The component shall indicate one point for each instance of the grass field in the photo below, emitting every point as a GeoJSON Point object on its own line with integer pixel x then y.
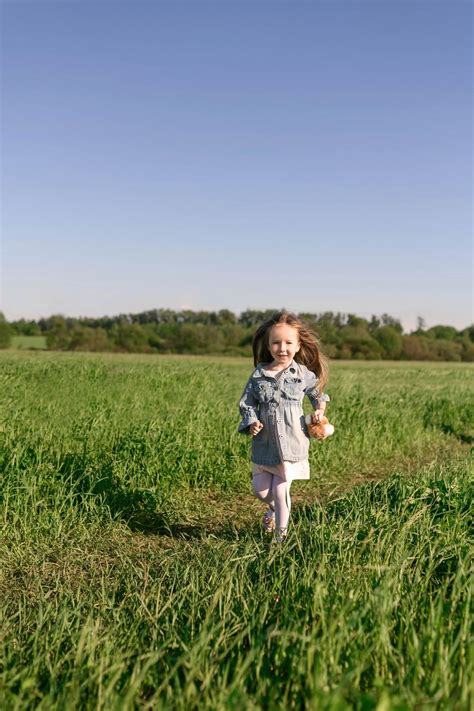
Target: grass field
{"type": "Point", "coordinates": [134, 574]}
{"type": "Point", "coordinates": [32, 343]}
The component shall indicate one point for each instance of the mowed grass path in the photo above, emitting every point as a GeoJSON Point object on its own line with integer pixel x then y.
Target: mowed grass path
{"type": "Point", "coordinates": [134, 574]}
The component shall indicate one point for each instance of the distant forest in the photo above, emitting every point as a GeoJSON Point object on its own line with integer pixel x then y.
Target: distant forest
{"type": "Point", "coordinates": [344, 336]}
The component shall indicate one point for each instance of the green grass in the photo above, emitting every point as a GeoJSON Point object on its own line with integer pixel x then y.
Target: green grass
{"type": "Point", "coordinates": [134, 574]}
{"type": "Point", "coordinates": [29, 343]}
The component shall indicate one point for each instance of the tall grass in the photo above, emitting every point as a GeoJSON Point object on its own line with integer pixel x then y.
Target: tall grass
{"type": "Point", "coordinates": [134, 572]}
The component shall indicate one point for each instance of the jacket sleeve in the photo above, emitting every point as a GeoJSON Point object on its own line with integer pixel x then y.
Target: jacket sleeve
{"type": "Point", "coordinates": [316, 397]}
{"type": "Point", "coordinates": [248, 407]}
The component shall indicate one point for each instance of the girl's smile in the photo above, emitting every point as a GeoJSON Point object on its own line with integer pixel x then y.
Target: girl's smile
{"type": "Point", "coordinates": [283, 343]}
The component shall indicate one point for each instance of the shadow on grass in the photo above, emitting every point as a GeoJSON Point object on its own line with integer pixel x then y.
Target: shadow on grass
{"type": "Point", "coordinates": [452, 419]}
{"type": "Point", "coordinates": [139, 509]}
{"type": "Point", "coordinates": [161, 525]}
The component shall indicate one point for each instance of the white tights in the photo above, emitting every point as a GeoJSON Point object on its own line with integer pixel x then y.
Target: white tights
{"type": "Point", "coordinates": [275, 491]}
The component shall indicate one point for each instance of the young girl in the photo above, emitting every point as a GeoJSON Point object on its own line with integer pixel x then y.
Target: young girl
{"type": "Point", "coordinates": [289, 364]}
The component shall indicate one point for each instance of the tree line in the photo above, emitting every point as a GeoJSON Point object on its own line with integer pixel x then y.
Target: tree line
{"type": "Point", "coordinates": [344, 336]}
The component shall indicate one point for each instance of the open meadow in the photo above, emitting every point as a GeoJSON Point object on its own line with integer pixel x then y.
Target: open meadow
{"type": "Point", "coordinates": [134, 574]}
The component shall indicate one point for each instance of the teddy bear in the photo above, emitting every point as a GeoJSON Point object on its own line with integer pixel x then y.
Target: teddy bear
{"type": "Point", "coordinates": [319, 430]}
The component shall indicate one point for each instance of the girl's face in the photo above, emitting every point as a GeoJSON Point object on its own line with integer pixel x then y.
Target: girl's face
{"type": "Point", "coordinates": [284, 343]}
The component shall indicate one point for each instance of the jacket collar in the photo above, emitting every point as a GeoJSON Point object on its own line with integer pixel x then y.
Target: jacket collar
{"type": "Point", "coordinates": [292, 368]}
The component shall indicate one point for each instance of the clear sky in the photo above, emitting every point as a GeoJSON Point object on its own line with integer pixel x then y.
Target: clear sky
{"type": "Point", "coordinates": [207, 155]}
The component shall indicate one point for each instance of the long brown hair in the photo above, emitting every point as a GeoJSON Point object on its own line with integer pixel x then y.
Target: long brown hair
{"type": "Point", "coordinates": [309, 354]}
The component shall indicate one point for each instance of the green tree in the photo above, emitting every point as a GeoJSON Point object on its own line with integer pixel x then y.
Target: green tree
{"type": "Point", "coordinates": [130, 337]}
{"type": "Point", "coordinates": [441, 349]}
{"type": "Point", "coordinates": [468, 352]}
{"type": "Point", "coordinates": [357, 322]}
{"type": "Point", "coordinates": [390, 340]}
{"type": "Point", "coordinates": [447, 333]}
{"type": "Point", "coordinates": [83, 338]}
{"type": "Point", "coordinates": [26, 328]}
{"type": "Point", "coordinates": [357, 342]}
{"type": "Point", "coordinates": [5, 332]}
{"type": "Point", "coordinates": [374, 324]}
{"type": "Point", "coordinates": [225, 317]}
{"type": "Point", "coordinates": [58, 336]}
{"type": "Point", "coordinates": [415, 347]}
{"type": "Point", "coordinates": [388, 320]}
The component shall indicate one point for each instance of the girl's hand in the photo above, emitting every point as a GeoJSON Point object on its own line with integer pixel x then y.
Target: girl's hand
{"type": "Point", "coordinates": [255, 428]}
{"type": "Point", "coordinates": [317, 415]}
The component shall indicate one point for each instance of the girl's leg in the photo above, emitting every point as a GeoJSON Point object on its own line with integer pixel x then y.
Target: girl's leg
{"type": "Point", "coordinates": [281, 497]}
{"type": "Point", "coordinates": [262, 486]}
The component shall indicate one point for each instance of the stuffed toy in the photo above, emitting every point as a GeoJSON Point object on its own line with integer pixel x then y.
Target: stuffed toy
{"type": "Point", "coordinates": [319, 430]}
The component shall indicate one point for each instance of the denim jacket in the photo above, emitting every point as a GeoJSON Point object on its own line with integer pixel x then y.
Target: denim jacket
{"type": "Point", "coordinates": [278, 406]}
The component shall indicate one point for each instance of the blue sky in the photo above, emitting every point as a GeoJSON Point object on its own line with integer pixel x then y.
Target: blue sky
{"type": "Point", "coordinates": [207, 155]}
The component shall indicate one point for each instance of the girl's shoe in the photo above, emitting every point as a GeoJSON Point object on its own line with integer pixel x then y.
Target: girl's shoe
{"type": "Point", "coordinates": [280, 536]}
{"type": "Point", "coordinates": [268, 520]}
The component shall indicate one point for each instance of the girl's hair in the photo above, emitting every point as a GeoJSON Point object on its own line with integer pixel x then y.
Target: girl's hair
{"type": "Point", "coordinates": [310, 353]}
